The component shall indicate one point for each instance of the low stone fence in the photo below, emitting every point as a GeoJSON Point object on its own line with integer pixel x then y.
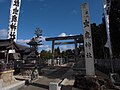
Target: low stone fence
{"type": "Point", "coordinates": [105, 66]}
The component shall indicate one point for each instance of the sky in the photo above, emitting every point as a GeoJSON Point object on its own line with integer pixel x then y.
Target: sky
{"type": "Point", "coordinates": [54, 17]}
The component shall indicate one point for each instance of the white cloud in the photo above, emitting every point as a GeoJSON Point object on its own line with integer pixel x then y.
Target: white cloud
{"type": "Point", "coordinates": [3, 33]}
{"type": "Point", "coordinates": [44, 47]}
{"type": "Point", "coordinates": [43, 38]}
{"type": "Point", "coordinates": [63, 47]}
{"type": "Point", "coordinates": [66, 47]}
{"type": "Point", "coordinates": [23, 42]}
{"type": "Point", "coordinates": [48, 47]}
{"type": "Point", "coordinates": [64, 34]}
{"type": "Point", "coordinates": [40, 38]}
{"type": "Point", "coordinates": [70, 35]}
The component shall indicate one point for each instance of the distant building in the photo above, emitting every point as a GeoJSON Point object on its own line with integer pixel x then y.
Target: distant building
{"type": "Point", "coordinates": [6, 45]}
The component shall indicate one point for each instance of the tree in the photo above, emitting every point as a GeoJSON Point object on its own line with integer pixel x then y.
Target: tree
{"type": "Point", "coordinates": [99, 38]}
{"type": "Point", "coordinates": [57, 52]}
{"type": "Point", "coordinates": [114, 18]}
{"type": "Point", "coordinates": [34, 42]}
{"type": "Point", "coordinates": [45, 54]}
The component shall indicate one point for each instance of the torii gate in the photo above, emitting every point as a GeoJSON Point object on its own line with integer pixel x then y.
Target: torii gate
{"type": "Point", "coordinates": [76, 38]}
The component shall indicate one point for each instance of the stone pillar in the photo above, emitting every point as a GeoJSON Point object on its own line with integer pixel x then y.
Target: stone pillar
{"type": "Point", "coordinates": [89, 57]}
{"type": "Point", "coordinates": [53, 52]}
{"type": "Point", "coordinates": [76, 51]}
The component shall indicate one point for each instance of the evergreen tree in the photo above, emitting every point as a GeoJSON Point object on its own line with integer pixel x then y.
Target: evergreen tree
{"type": "Point", "coordinates": [99, 38]}
{"type": "Point", "coordinates": [115, 27]}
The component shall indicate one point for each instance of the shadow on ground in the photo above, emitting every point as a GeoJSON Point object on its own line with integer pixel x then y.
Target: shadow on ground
{"type": "Point", "coordinates": [40, 85]}
{"type": "Point", "coordinates": [66, 87]}
{"type": "Point", "coordinates": [58, 73]}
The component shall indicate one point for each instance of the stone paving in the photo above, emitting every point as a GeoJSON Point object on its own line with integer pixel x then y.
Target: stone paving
{"type": "Point", "coordinates": [43, 82]}
{"type": "Point", "coordinates": [55, 75]}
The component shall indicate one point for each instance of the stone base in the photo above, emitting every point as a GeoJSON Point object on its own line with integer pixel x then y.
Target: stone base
{"type": "Point", "coordinates": [94, 83]}
{"type": "Point", "coordinates": [7, 77]}
{"type": "Point", "coordinates": [14, 86]}
{"type": "Point", "coordinates": [54, 86]}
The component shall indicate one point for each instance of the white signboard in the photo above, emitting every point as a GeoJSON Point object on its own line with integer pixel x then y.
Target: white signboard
{"type": "Point", "coordinates": [89, 58]}
{"type": "Point", "coordinates": [14, 14]}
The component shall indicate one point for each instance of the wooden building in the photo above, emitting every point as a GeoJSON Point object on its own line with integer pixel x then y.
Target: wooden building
{"type": "Point", "coordinates": [9, 50]}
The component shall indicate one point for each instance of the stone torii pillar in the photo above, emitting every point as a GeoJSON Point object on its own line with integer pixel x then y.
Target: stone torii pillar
{"type": "Point", "coordinates": [76, 51]}
{"type": "Point", "coordinates": [53, 41]}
